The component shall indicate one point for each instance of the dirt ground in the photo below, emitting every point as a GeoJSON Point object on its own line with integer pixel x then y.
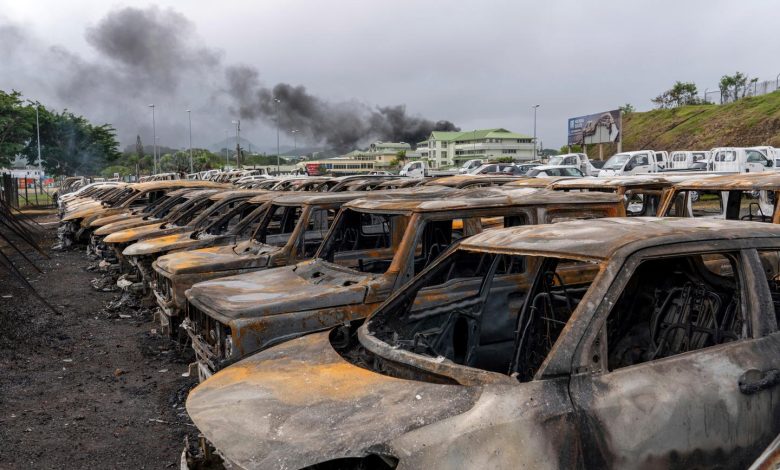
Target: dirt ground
{"type": "Point", "coordinates": [88, 387]}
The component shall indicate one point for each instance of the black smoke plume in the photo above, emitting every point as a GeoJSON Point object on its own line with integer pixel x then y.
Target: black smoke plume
{"type": "Point", "coordinates": [154, 55]}
{"type": "Point", "coordinates": [342, 125]}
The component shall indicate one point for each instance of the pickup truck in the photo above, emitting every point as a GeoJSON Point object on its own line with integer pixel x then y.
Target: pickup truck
{"type": "Point", "coordinates": [689, 159]}
{"type": "Point", "coordinates": [579, 161]}
{"type": "Point", "coordinates": [634, 163]}
{"type": "Point", "coordinates": [419, 169]}
{"type": "Point", "coordinates": [610, 343]}
{"type": "Point", "coordinates": [374, 247]}
{"type": "Point", "coordinates": [739, 160]}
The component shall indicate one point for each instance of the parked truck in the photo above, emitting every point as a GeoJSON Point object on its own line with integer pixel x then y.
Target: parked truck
{"type": "Point", "coordinates": [420, 169]}
{"type": "Point", "coordinates": [574, 160]}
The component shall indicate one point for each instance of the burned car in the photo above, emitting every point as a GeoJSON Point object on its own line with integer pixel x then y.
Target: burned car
{"type": "Point", "coordinates": [623, 342]}
{"type": "Point", "coordinates": [228, 216]}
{"type": "Point", "coordinates": [75, 224]}
{"type": "Point", "coordinates": [180, 208]}
{"type": "Point", "coordinates": [642, 195]}
{"type": "Point", "coordinates": [374, 246]}
{"type": "Point", "coordinates": [291, 230]}
{"type": "Point", "coordinates": [749, 196]}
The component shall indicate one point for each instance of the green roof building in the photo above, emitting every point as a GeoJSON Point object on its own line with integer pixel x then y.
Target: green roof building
{"type": "Point", "coordinates": [447, 149]}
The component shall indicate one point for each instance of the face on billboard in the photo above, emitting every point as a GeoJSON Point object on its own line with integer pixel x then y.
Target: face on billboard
{"type": "Point", "coordinates": [595, 128]}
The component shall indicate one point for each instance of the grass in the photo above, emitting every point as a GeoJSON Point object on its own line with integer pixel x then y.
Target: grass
{"type": "Point", "coordinates": [744, 123]}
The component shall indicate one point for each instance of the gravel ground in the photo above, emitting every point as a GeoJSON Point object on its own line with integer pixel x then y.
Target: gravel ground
{"type": "Point", "coordinates": [88, 387]}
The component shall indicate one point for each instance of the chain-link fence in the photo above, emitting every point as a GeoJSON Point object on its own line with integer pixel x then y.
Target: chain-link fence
{"type": "Point", "coordinates": [751, 89]}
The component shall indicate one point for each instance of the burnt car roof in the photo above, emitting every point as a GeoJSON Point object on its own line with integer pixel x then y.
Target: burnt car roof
{"type": "Point", "coordinates": [457, 180]}
{"type": "Point", "coordinates": [601, 238]}
{"type": "Point", "coordinates": [292, 199]}
{"type": "Point", "coordinates": [151, 185]}
{"type": "Point", "coordinates": [767, 180]}
{"type": "Point", "coordinates": [531, 182]}
{"type": "Point", "coordinates": [604, 183]}
{"type": "Point", "coordinates": [235, 193]}
{"type": "Point", "coordinates": [480, 197]}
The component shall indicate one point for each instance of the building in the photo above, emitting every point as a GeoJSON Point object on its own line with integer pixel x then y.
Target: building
{"type": "Point", "coordinates": [448, 149]}
{"type": "Point", "coordinates": [377, 157]}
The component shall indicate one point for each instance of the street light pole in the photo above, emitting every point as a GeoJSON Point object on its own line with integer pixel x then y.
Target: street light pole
{"type": "Point", "coordinates": [189, 117]}
{"type": "Point", "coordinates": [276, 100]}
{"type": "Point", "coordinates": [38, 130]}
{"type": "Point", "coordinates": [154, 137]}
{"type": "Point", "coordinates": [227, 158]}
{"type": "Point", "coordinates": [535, 106]}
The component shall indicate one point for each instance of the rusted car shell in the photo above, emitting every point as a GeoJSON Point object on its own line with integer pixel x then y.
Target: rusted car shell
{"type": "Point", "coordinates": [764, 181]}
{"type": "Point", "coordinates": [529, 182]}
{"type": "Point", "coordinates": [266, 307]}
{"type": "Point", "coordinates": [464, 181]}
{"type": "Point", "coordinates": [108, 225]}
{"type": "Point", "coordinates": [183, 269]}
{"type": "Point", "coordinates": [770, 458]}
{"type": "Point", "coordinates": [301, 403]}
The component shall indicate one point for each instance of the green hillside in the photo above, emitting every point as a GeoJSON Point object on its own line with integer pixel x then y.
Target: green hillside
{"type": "Point", "coordinates": [747, 122]}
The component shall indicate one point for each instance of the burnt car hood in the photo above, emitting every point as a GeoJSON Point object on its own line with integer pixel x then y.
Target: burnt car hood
{"type": "Point", "coordinates": [128, 216]}
{"type": "Point", "coordinates": [305, 286]}
{"type": "Point", "coordinates": [212, 259]}
{"type": "Point", "coordinates": [122, 224]}
{"type": "Point", "coordinates": [154, 245]}
{"type": "Point", "coordinates": [83, 213]}
{"type": "Point", "coordinates": [301, 403]}
{"type": "Point", "coordinates": [142, 231]}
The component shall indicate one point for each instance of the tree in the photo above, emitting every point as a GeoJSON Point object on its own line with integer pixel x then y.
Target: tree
{"type": "Point", "coordinates": [17, 125]}
{"type": "Point", "coordinates": [627, 109]}
{"type": "Point", "coordinates": [681, 94]}
{"type": "Point", "coordinates": [731, 85]}
{"type": "Point", "coordinates": [71, 145]}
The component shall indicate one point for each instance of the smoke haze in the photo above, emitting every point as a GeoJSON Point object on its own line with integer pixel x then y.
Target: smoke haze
{"type": "Point", "coordinates": [154, 55]}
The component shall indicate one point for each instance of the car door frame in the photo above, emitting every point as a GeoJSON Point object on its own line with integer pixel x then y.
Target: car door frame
{"type": "Point", "coordinates": [587, 357]}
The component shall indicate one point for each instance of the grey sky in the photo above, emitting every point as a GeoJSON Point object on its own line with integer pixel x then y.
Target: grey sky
{"type": "Point", "coordinates": [477, 64]}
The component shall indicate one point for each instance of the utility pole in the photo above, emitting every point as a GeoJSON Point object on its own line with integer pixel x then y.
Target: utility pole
{"type": "Point", "coordinates": [189, 117]}
{"type": "Point", "coordinates": [154, 137]}
{"type": "Point", "coordinates": [38, 130]}
{"type": "Point", "coordinates": [276, 100]}
{"type": "Point", "coordinates": [238, 142]}
{"type": "Point", "coordinates": [535, 107]}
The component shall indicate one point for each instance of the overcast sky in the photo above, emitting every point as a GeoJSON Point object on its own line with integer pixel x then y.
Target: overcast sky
{"type": "Point", "coordinates": [477, 64]}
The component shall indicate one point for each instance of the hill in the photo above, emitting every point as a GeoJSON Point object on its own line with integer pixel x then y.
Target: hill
{"type": "Point", "coordinates": [744, 123]}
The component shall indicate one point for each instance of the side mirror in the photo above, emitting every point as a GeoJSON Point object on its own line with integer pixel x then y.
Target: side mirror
{"type": "Point", "coordinates": [769, 164]}
{"type": "Point", "coordinates": [630, 166]}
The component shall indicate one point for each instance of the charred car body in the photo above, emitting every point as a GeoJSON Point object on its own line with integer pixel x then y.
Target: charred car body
{"type": "Point", "coordinates": [225, 217]}
{"type": "Point", "coordinates": [75, 224]}
{"type": "Point", "coordinates": [374, 247]}
{"type": "Point", "coordinates": [291, 230]}
{"type": "Point", "coordinates": [630, 342]}
{"type": "Point", "coordinates": [179, 206]}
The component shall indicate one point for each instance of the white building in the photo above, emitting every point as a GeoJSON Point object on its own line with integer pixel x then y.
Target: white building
{"type": "Point", "coordinates": [447, 149]}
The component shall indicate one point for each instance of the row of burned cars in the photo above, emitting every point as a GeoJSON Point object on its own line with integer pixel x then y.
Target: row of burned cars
{"type": "Point", "coordinates": [462, 322]}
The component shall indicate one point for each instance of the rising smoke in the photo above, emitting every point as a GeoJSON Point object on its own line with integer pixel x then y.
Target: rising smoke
{"type": "Point", "coordinates": [154, 55]}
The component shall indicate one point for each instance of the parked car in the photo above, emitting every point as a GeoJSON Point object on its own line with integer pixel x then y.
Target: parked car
{"type": "Point", "coordinates": [604, 343]}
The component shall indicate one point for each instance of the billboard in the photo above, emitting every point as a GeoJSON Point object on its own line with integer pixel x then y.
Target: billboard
{"type": "Point", "coordinates": [596, 128]}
